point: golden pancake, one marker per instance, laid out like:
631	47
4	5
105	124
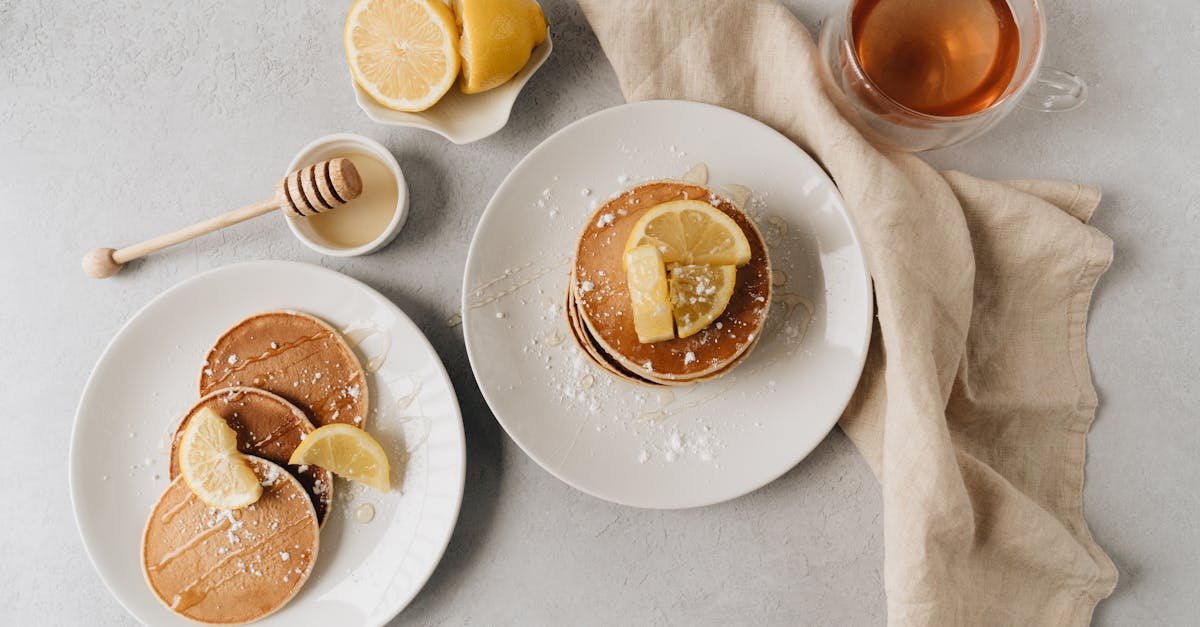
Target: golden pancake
593	352
585	342
597	355
296	356
269	427
604	304
231	566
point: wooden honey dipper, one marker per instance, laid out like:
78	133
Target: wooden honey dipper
308	191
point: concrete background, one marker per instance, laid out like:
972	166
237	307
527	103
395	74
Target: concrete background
115	114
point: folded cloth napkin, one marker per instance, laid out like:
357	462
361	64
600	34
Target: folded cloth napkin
975	403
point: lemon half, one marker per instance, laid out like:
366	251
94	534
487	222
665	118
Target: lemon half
404	53
211	465
497	39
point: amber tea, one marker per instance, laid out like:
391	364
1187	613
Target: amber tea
938	57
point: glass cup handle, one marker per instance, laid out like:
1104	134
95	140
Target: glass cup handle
1055	90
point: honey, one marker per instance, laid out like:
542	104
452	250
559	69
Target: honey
365	218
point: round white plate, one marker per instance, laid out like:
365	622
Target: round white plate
146	379
673	447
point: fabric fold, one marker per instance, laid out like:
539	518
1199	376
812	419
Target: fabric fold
976	398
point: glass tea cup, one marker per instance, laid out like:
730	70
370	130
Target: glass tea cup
891	124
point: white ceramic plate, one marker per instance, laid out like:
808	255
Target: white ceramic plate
459	117
676	447
146	379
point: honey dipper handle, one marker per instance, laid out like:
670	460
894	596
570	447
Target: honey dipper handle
229	218
102	263
305	192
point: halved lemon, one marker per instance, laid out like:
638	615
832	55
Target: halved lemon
691	232
648	293
498	37
212	466
347	451
404	53
699	295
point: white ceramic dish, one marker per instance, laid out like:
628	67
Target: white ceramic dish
336	145
458	117
678	447
146	378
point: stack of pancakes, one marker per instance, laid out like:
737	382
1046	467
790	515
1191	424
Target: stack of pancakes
600	314
272	377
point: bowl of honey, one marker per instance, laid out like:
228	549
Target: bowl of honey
367	223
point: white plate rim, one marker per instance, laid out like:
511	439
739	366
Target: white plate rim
867	285
441	543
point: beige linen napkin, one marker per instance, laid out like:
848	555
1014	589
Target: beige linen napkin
976	399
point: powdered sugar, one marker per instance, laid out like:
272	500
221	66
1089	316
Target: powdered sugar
666	428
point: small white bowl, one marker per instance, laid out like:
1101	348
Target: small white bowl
458	117
340	145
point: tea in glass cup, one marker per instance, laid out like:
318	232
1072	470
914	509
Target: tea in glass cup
920	74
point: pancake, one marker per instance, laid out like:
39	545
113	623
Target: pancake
585	342
588	344
269	427
606	311
295	356
593	352
222	566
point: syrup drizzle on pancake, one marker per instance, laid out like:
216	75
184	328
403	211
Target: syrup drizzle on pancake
189	596
170	556
231	566
295	356
276	350
279	431
170	513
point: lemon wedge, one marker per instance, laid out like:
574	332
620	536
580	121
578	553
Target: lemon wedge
498	37
212	466
691	232
648	292
347	451
699	295
404	53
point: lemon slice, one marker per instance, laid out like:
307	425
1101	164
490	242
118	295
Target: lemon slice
347	451
699	295
212	466
691	232
404	53
498	37
647	282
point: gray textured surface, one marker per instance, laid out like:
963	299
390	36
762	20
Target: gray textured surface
113	115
